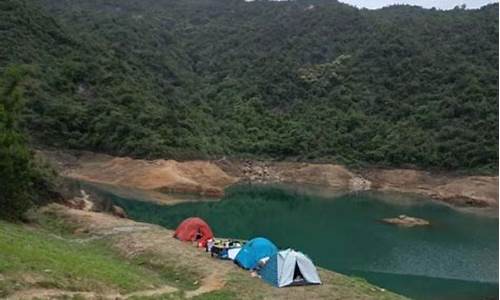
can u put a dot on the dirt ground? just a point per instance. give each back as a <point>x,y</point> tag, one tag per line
<point>210,178</point>
<point>133,239</point>
<point>481,191</point>
<point>194,177</point>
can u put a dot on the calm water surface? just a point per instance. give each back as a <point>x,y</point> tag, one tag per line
<point>455,258</point>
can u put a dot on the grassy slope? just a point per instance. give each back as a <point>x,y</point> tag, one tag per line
<point>64,264</point>
<point>50,257</point>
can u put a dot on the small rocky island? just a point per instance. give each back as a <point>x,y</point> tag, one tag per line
<point>406,221</point>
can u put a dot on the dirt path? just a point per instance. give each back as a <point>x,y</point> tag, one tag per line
<point>55,293</point>
<point>212,282</point>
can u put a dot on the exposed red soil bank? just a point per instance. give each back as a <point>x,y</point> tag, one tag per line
<point>210,178</point>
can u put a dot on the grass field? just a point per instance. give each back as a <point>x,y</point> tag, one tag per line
<point>36,256</point>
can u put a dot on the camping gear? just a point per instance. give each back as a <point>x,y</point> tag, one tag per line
<point>210,244</point>
<point>226,249</point>
<point>194,229</point>
<point>231,253</point>
<point>288,268</point>
<point>253,251</point>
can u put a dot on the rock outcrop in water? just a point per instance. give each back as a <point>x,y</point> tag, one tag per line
<point>406,221</point>
<point>118,212</point>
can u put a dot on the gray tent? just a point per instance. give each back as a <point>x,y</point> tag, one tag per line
<point>289,267</point>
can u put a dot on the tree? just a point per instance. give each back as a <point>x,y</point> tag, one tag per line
<point>17,172</point>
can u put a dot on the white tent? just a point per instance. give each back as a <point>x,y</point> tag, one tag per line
<point>289,267</point>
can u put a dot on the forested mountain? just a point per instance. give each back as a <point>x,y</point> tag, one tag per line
<point>306,79</point>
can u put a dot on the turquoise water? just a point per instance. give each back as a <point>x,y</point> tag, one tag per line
<point>455,258</point>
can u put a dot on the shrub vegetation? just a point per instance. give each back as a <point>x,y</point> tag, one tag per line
<point>305,79</point>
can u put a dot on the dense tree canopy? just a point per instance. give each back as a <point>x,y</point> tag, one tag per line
<point>306,79</point>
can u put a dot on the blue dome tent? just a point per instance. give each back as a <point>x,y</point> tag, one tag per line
<point>253,251</point>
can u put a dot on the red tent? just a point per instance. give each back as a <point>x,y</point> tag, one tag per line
<point>194,229</point>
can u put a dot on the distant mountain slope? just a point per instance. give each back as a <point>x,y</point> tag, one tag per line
<point>298,79</point>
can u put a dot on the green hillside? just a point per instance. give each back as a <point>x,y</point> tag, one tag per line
<point>309,80</point>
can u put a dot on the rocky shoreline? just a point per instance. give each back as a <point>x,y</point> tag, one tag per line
<point>210,178</point>
<point>469,191</point>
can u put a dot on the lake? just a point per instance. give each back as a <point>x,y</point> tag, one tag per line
<point>454,258</point>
